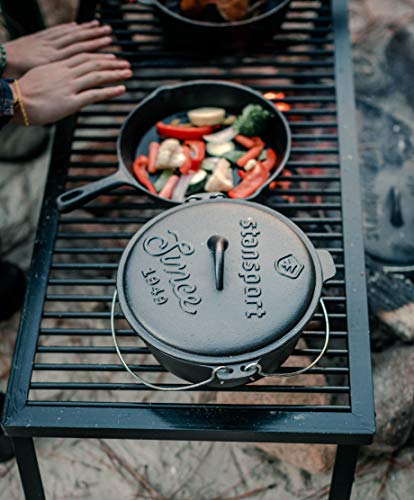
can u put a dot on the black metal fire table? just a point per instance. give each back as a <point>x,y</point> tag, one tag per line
<point>66,380</point>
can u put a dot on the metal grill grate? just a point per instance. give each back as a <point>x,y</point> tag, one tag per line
<point>74,360</point>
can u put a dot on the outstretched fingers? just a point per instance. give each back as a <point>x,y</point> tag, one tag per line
<point>97,78</point>
<point>96,95</point>
<point>81,34</point>
<point>60,30</point>
<point>87,46</point>
<point>100,64</point>
<point>82,58</point>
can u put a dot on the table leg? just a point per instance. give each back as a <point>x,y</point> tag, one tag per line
<point>28,468</point>
<point>343,473</point>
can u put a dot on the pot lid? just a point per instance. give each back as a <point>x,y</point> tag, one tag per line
<point>217,278</point>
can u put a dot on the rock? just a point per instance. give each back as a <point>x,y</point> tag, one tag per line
<point>400,58</point>
<point>310,457</point>
<point>394,398</point>
<point>391,300</point>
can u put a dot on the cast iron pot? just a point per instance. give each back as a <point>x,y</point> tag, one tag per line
<point>189,33</point>
<point>219,286</point>
<point>138,131</point>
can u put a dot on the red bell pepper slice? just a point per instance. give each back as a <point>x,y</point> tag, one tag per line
<point>244,141</point>
<point>140,172</point>
<point>186,166</point>
<point>257,141</point>
<point>252,154</point>
<point>168,189</point>
<point>198,152</point>
<point>182,133</point>
<point>270,161</point>
<point>252,181</point>
<point>152,157</point>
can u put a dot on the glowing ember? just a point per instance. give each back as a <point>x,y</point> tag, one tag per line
<point>277,96</point>
<point>274,95</point>
<point>283,106</point>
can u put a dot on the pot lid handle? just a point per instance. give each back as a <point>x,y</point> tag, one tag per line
<point>327,264</point>
<point>218,245</point>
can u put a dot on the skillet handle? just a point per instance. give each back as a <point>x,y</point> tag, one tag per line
<point>77,197</point>
<point>146,3</point>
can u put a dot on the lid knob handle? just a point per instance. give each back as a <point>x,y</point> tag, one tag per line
<point>218,245</point>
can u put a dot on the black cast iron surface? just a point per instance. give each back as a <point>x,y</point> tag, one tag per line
<point>66,379</point>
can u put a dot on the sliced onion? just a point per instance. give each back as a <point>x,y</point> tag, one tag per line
<point>181,187</point>
<point>225,135</point>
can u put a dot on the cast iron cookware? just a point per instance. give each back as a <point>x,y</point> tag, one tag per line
<point>138,131</point>
<point>220,283</point>
<point>214,32</point>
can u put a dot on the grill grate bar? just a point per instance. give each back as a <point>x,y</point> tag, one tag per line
<point>186,406</point>
<point>141,220</point>
<point>79,386</point>
<point>108,298</point>
<point>144,350</point>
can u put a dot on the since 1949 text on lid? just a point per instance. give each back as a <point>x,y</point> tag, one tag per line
<point>169,277</point>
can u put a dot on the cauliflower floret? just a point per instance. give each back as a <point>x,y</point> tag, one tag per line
<point>170,155</point>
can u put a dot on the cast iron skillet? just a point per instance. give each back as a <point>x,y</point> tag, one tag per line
<point>138,129</point>
<point>182,30</point>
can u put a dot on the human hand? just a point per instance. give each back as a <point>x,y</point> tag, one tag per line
<point>53,44</point>
<point>57,90</point>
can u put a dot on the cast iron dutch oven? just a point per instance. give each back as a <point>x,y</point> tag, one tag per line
<point>214,32</point>
<point>138,131</point>
<point>219,286</point>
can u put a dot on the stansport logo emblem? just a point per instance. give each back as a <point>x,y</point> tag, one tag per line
<point>289,266</point>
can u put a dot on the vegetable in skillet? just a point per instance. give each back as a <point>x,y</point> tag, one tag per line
<point>252,120</point>
<point>197,182</point>
<point>188,160</point>
<point>181,132</point>
<point>206,116</point>
<point>168,190</point>
<point>197,153</point>
<point>181,187</point>
<point>152,157</point>
<point>252,153</point>
<point>170,155</point>
<point>186,165</point>
<point>139,167</point>
<point>222,178</point>
<point>270,160</point>
<point>251,182</point>
<point>220,149</point>
<point>162,179</point>
<point>210,163</point>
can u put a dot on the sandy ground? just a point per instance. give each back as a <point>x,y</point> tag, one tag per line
<point>105,469</point>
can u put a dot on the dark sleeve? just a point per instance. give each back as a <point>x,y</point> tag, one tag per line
<point>6,102</point>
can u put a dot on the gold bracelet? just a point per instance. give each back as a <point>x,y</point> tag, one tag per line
<point>19,102</point>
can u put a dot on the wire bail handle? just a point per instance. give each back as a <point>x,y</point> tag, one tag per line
<point>252,366</point>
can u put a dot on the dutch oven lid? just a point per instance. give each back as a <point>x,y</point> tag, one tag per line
<point>217,277</point>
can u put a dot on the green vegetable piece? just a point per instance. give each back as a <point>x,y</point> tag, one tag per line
<point>233,156</point>
<point>263,155</point>
<point>162,179</point>
<point>210,163</point>
<point>197,182</point>
<point>252,120</point>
